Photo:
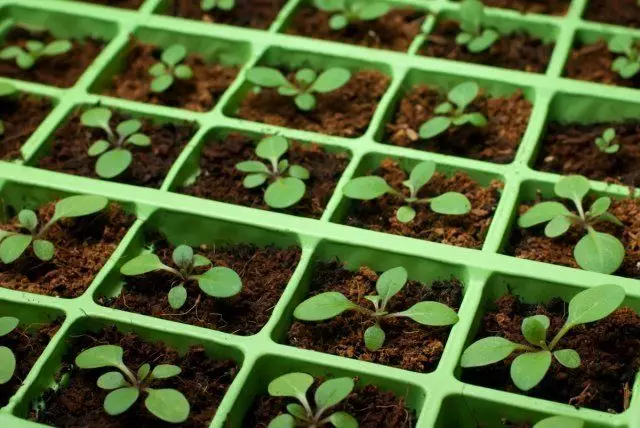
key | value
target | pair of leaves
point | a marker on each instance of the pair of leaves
(34, 49)
(473, 36)
(164, 72)
(208, 5)
(605, 142)
(628, 65)
(7, 357)
(350, 11)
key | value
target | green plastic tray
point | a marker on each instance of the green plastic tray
(439, 398)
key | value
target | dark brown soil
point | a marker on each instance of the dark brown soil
(593, 63)
(83, 245)
(125, 4)
(200, 93)
(549, 7)
(203, 381)
(265, 273)
(608, 349)
(517, 51)
(463, 231)
(496, 142)
(221, 181)
(246, 13)
(408, 345)
(150, 164)
(60, 70)
(619, 12)
(21, 116)
(395, 30)
(345, 112)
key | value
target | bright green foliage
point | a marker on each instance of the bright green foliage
(560, 422)
(218, 282)
(628, 64)
(13, 244)
(331, 304)
(329, 394)
(208, 5)
(348, 11)
(287, 186)
(166, 404)
(113, 155)
(307, 82)
(529, 368)
(169, 67)
(6, 90)
(452, 112)
(33, 50)
(605, 142)
(373, 187)
(596, 251)
(473, 36)
(7, 358)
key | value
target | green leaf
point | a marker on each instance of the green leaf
(405, 214)
(630, 70)
(98, 148)
(568, 358)
(542, 213)
(272, 148)
(7, 325)
(144, 263)
(297, 410)
(288, 91)
(266, 77)
(331, 79)
(25, 61)
(128, 127)
(306, 76)
(174, 54)
(252, 166)
(43, 249)
(165, 371)
(177, 297)
(374, 337)
(100, 356)
(254, 180)
(574, 187)
(162, 83)
(338, 22)
(620, 64)
(343, 420)
(168, 405)
(366, 188)
(220, 282)
(282, 421)
(463, 94)
(12, 247)
(305, 101)
(430, 313)
(451, 203)
(10, 52)
(182, 255)
(143, 371)
(333, 391)
(79, 206)
(294, 385)
(283, 165)
(34, 46)
(57, 47)
(421, 174)
(557, 226)
(600, 206)
(488, 350)
(323, 307)
(7, 364)
(158, 69)
(139, 140)
(483, 41)
(299, 172)
(471, 14)
(113, 163)
(183, 72)
(120, 400)
(112, 380)
(534, 329)
(560, 422)
(372, 10)
(528, 369)
(599, 252)
(28, 219)
(463, 38)
(434, 127)
(621, 43)
(594, 304)
(390, 283)
(610, 218)
(444, 108)
(475, 119)
(199, 261)
(284, 192)
(97, 117)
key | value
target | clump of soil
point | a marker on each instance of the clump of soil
(203, 381)
(395, 30)
(408, 345)
(220, 180)
(608, 349)
(246, 13)
(619, 12)
(549, 7)
(265, 272)
(60, 70)
(83, 245)
(200, 93)
(460, 230)
(592, 62)
(345, 112)
(516, 51)
(150, 165)
(21, 116)
(125, 4)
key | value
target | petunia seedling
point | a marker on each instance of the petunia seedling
(530, 367)
(596, 251)
(7, 357)
(452, 112)
(628, 64)
(6, 90)
(306, 83)
(113, 154)
(14, 244)
(169, 68)
(559, 422)
(373, 187)
(473, 35)
(348, 11)
(606, 142)
(328, 305)
(302, 414)
(208, 5)
(33, 50)
(218, 281)
(125, 387)
(286, 182)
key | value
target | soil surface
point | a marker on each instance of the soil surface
(517, 51)
(549, 7)
(463, 231)
(408, 345)
(619, 12)
(126, 4)
(395, 30)
(200, 93)
(497, 142)
(83, 245)
(608, 349)
(265, 273)
(203, 381)
(60, 70)
(246, 13)
(150, 165)
(592, 62)
(21, 116)
(345, 112)
(221, 181)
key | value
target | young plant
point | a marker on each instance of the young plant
(559, 422)
(286, 186)
(529, 368)
(628, 64)
(605, 142)
(473, 36)
(452, 112)
(168, 405)
(34, 50)
(328, 305)
(329, 394)
(373, 187)
(307, 82)
(169, 67)
(218, 282)
(7, 357)
(14, 244)
(113, 155)
(6, 90)
(348, 11)
(596, 251)
(208, 5)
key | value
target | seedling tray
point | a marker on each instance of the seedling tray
(439, 398)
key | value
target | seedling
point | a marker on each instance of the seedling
(559, 422)
(7, 357)
(373, 187)
(473, 36)
(628, 64)
(113, 155)
(331, 304)
(169, 67)
(452, 112)
(34, 50)
(168, 405)
(287, 186)
(208, 5)
(13, 244)
(218, 282)
(605, 142)
(529, 368)
(596, 251)
(307, 82)
(348, 11)
(329, 394)
(6, 90)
